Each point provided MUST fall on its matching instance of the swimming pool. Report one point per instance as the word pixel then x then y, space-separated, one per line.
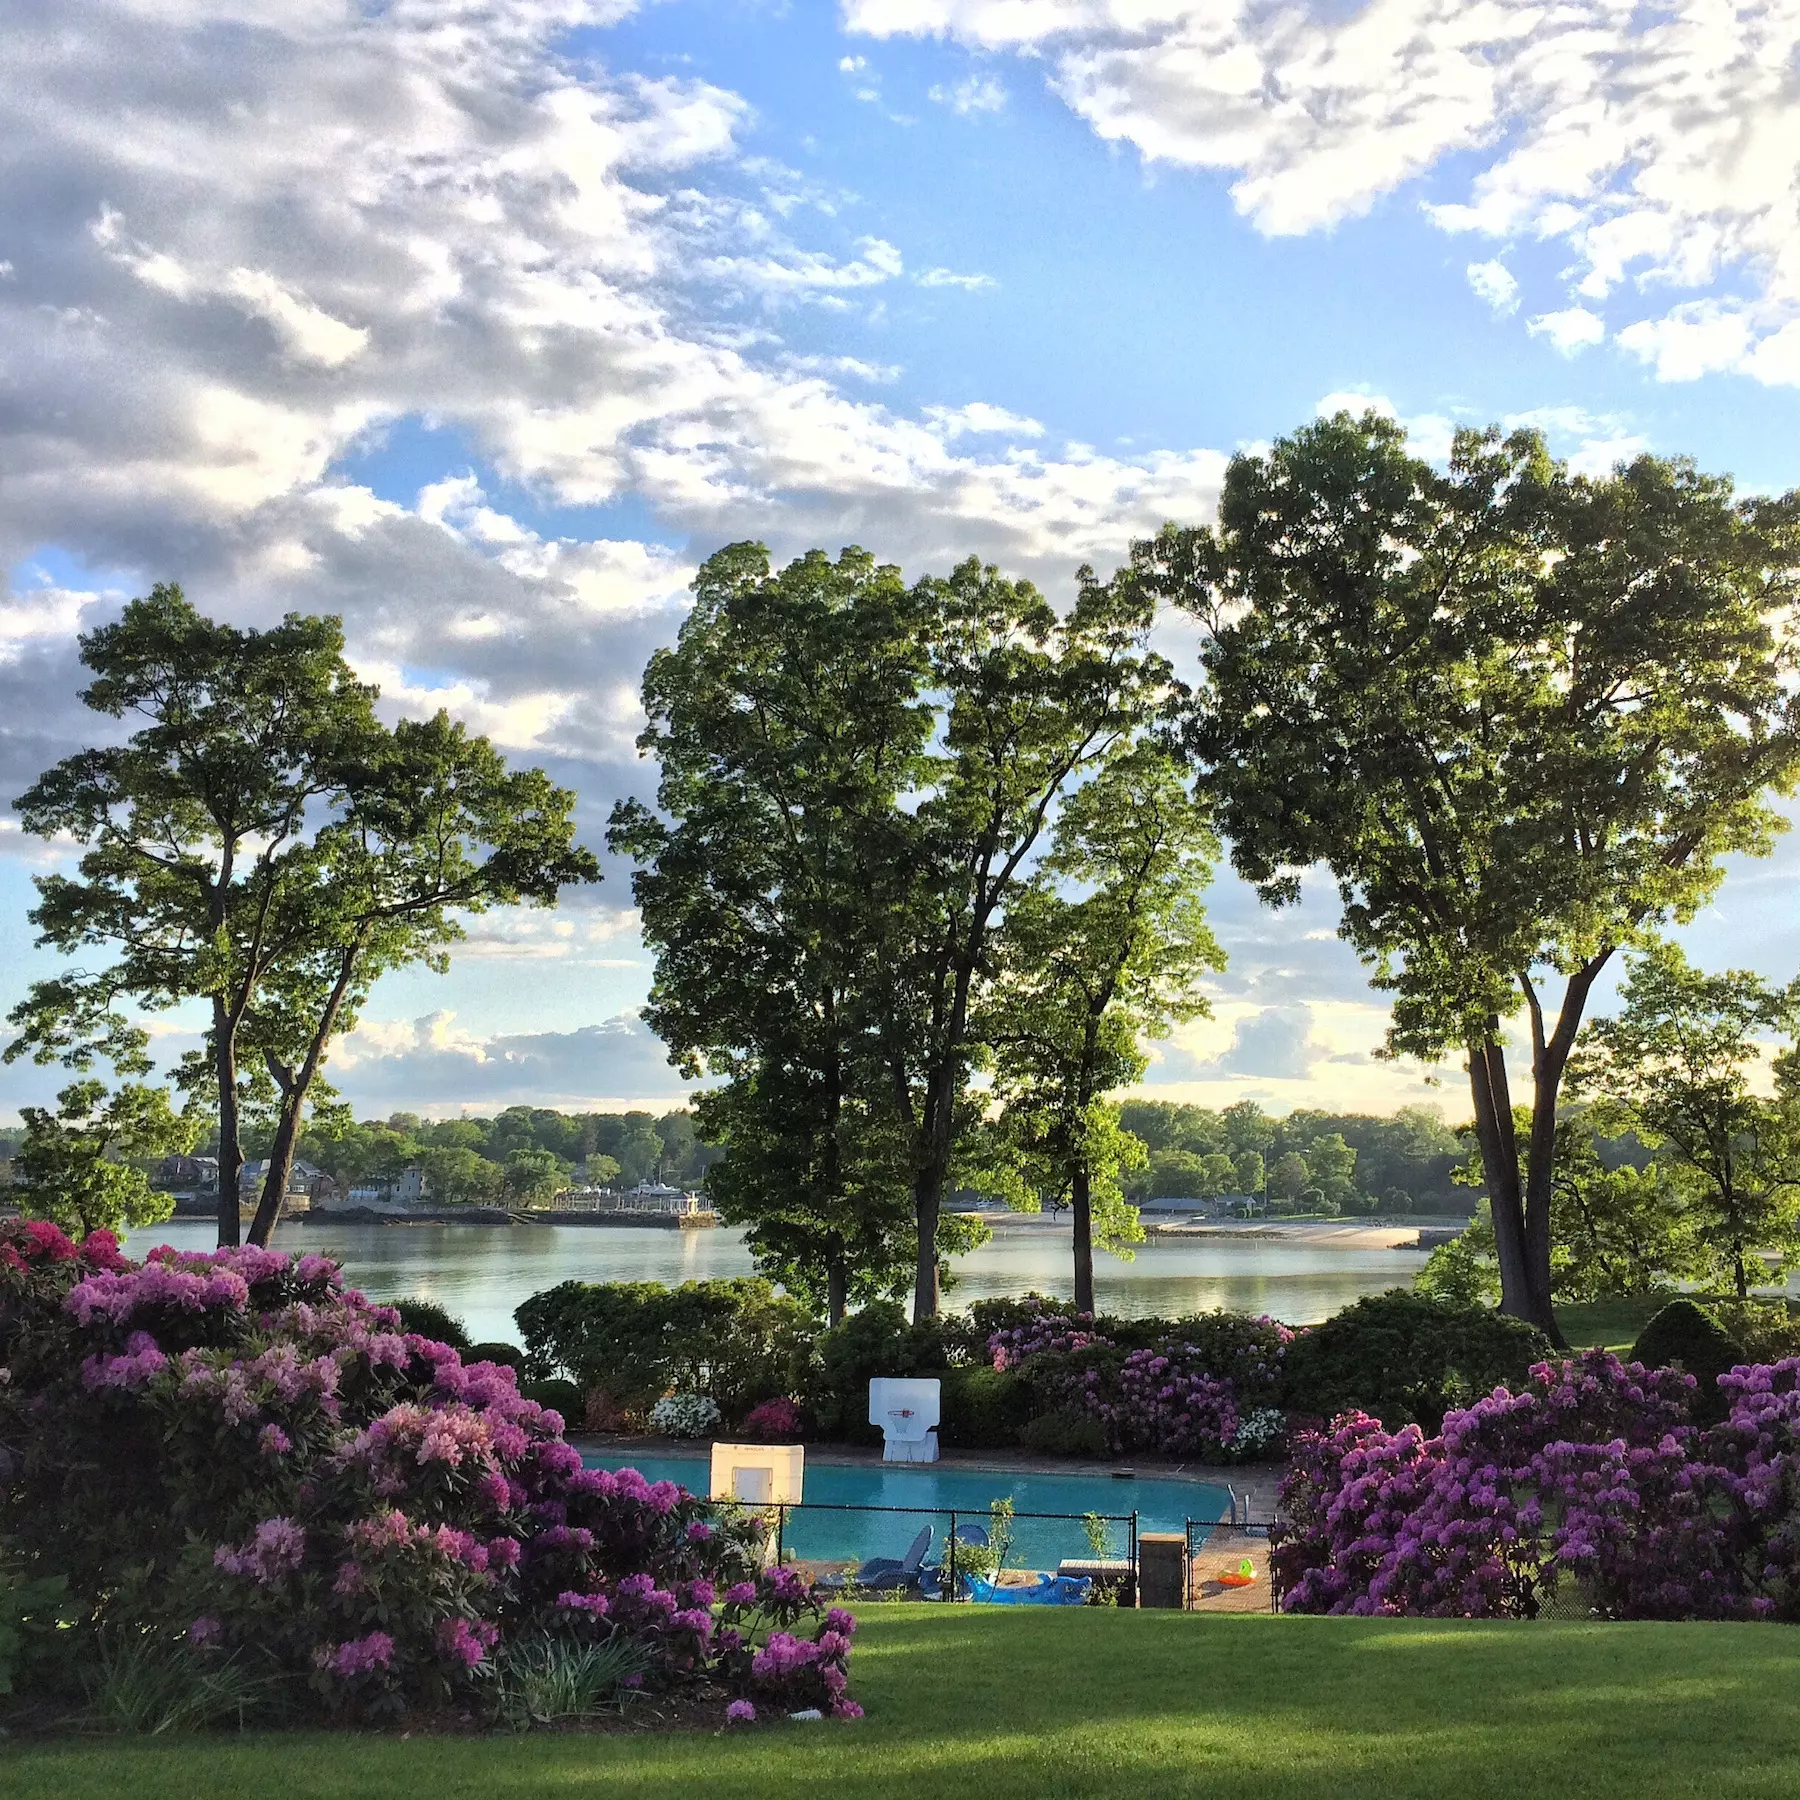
pixel 1162 1503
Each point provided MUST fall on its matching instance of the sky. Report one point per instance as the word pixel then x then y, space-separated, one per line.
pixel 481 324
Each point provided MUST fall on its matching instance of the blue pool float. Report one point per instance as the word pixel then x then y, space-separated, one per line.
pixel 1051 1590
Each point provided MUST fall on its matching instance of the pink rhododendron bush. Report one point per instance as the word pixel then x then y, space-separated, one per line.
pixel 1192 1392
pixel 235 1454
pixel 1593 1486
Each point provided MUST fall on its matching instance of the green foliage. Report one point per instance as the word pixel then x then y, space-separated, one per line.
pixel 982 1408
pixel 1522 716
pixel 1084 976
pixel 508 1355
pixel 551 1681
pixel 1407 1358
pixel 876 1340
pixel 1676 1066
pixel 430 1320
pixel 736 1341
pixel 560 1396
pixel 37 1614
pixel 983 1562
pixel 78 1166
pixel 534 1177
pixel 147 1685
pixel 1065 1433
pixel 1463 1272
pixel 1685 1334
pixel 265 845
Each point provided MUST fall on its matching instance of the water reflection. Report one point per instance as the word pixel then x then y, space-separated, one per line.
pixel 481 1273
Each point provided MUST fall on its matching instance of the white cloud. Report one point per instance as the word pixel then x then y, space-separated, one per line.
pixel 1495 286
pixel 980 418
pixel 1574 329
pixel 1694 340
pixel 934 278
pixel 973 94
pixel 1661 145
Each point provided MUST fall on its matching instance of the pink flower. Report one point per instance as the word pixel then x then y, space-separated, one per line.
pixel 740 1712
pixel 847 1709
pixel 273 1441
pixel 205 1632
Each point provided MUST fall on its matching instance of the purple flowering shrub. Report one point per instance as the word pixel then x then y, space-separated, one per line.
pixel 773 1420
pixel 1593 1483
pixel 235 1448
pixel 1186 1393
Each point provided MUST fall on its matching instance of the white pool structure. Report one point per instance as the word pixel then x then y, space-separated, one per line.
pixel 1162 1503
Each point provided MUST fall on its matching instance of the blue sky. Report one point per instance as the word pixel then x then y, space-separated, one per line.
pixel 481 321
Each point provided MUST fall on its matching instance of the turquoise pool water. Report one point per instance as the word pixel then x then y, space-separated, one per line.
pixel 1162 1503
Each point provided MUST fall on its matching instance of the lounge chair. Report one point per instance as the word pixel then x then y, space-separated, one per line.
pixel 884 1573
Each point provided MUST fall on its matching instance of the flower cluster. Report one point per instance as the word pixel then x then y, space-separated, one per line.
pixel 350 1504
pixel 1593 1481
pixel 772 1421
pixel 685 1416
pixel 1186 1392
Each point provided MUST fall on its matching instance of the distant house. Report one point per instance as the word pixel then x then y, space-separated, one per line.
pixel 405 1189
pixel 307 1183
pixel 187 1175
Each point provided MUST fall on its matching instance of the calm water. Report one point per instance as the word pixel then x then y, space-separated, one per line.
pixel 1161 1503
pixel 482 1272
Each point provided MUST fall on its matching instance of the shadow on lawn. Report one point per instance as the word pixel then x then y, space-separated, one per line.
pixel 1117 1706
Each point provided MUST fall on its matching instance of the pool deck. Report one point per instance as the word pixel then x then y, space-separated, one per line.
pixel 1260 1482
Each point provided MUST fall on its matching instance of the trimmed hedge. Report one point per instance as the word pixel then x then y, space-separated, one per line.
pixel 427 1319
pixel 983 1409
pixel 1685 1335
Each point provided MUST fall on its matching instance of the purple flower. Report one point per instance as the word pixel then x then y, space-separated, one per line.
pixel 740 1712
pixel 205 1632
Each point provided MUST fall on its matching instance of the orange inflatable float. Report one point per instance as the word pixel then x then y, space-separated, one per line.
pixel 1244 1575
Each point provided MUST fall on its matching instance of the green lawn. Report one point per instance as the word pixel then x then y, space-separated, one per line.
pixel 1608 1324
pixel 1142 1706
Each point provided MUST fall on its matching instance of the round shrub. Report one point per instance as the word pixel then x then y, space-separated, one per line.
pixel 428 1319
pixel 509 1356
pixel 1405 1358
pixel 982 1408
pixel 560 1397
pixel 685 1416
pixel 1686 1336
pixel 234 1454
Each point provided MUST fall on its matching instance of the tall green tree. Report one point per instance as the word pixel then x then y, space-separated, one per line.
pixel 264 844
pixel 193 832
pixel 787 722
pixel 1519 714
pixel 1104 946
pixel 1031 702
pixel 1678 1065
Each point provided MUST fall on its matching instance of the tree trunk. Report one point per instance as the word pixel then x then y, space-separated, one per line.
pixel 1539 1190
pixel 293 1102
pixel 1492 1095
pixel 1081 1203
pixel 231 1147
pixel 837 1286
pixel 928 1203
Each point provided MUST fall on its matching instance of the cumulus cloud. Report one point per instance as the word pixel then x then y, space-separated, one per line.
pixel 982 419
pixel 1660 145
pixel 1569 331
pixel 1495 285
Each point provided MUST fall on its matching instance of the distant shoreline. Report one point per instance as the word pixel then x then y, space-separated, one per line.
pixel 1319 1234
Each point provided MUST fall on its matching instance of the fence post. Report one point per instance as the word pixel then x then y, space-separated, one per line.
pixel 1137 1589
pixel 950 1559
pixel 780 1532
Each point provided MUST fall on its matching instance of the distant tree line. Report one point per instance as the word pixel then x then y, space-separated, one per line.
pixel 1309 1161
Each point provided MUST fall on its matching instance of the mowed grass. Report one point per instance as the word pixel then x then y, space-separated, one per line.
pixel 1141 1706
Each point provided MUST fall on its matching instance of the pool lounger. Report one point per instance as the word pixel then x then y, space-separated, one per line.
pixel 885 1572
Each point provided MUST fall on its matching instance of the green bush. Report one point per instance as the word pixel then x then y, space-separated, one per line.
pixel 1767 1329
pixel 508 1355
pixel 36 1612
pixel 878 1340
pixel 1065 1433
pixel 1407 1359
pixel 428 1319
pixel 1687 1335
pixel 737 1341
pixel 983 1409
pixel 561 1396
